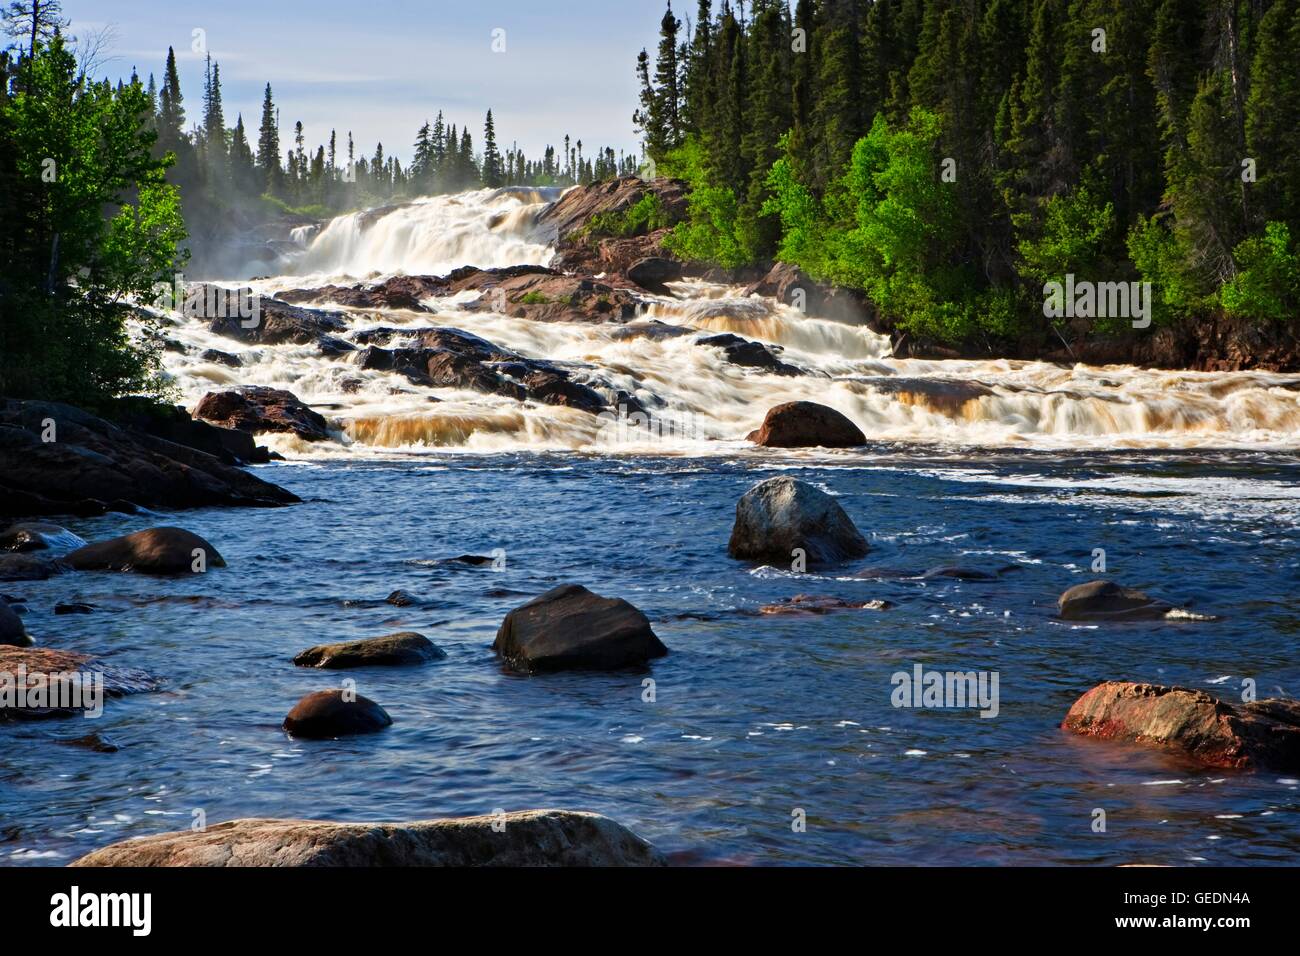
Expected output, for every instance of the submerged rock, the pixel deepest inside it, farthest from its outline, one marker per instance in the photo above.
(400, 598)
(807, 425)
(256, 409)
(570, 627)
(152, 551)
(1108, 601)
(822, 604)
(74, 608)
(526, 838)
(958, 574)
(1264, 734)
(12, 630)
(781, 516)
(406, 647)
(27, 567)
(326, 714)
(38, 536)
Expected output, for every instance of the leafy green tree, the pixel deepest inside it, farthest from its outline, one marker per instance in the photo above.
(99, 225)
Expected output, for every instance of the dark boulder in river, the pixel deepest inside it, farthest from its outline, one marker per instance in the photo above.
(807, 425)
(1108, 601)
(28, 567)
(391, 650)
(749, 354)
(570, 627)
(1263, 734)
(89, 465)
(12, 631)
(257, 409)
(152, 551)
(524, 838)
(780, 517)
(326, 714)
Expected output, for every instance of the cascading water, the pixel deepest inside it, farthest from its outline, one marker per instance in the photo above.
(698, 401)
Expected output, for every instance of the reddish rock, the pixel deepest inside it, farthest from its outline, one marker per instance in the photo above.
(822, 604)
(43, 665)
(1264, 734)
(257, 409)
(807, 425)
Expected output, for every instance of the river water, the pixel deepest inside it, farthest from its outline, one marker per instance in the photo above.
(1187, 481)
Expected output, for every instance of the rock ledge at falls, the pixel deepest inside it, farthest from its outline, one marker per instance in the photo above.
(93, 466)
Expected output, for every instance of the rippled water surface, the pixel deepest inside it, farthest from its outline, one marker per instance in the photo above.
(754, 716)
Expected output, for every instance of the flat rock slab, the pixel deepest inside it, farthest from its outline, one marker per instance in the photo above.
(406, 647)
(570, 627)
(526, 838)
(781, 516)
(152, 551)
(822, 604)
(33, 665)
(1264, 734)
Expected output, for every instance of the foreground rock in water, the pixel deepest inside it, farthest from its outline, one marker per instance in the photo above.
(38, 536)
(406, 647)
(1108, 601)
(807, 425)
(92, 465)
(153, 551)
(529, 838)
(12, 630)
(802, 604)
(1264, 734)
(570, 627)
(326, 714)
(52, 670)
(781, 516)
(256, 409)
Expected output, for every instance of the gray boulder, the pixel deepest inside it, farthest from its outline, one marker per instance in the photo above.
(570, 627)
(780, 516)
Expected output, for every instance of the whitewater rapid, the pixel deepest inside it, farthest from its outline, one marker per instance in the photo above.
(698, 403)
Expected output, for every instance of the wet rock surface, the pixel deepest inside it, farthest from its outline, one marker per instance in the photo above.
(163, 550)
(327, 714)
(807, 425)
(569, 627)
(1264, 734)
(256, 409)
(528, 838)
(782, 518)
(391, 650)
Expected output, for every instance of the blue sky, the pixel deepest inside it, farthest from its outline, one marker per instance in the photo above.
(381, 67)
